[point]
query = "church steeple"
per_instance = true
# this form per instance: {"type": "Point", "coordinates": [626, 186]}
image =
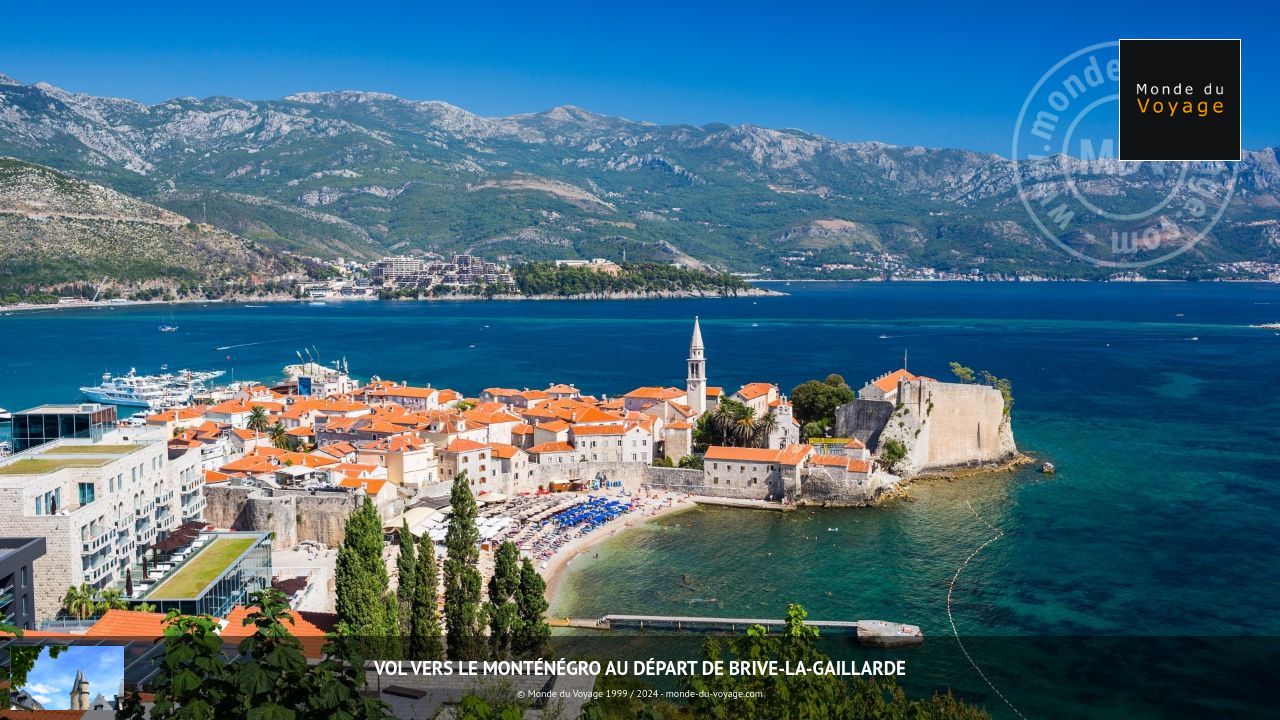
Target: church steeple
{"type": "Point", "coordinates": [696, 386]}
{"type": "Point", "coordinates": [80, 692]}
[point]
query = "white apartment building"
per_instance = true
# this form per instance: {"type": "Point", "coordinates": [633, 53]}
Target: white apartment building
{"type": "Point", "coordinates": [98, 504]}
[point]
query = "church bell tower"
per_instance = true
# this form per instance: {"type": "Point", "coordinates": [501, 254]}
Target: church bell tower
{"type": "Point", "coordinates": [696, 385]}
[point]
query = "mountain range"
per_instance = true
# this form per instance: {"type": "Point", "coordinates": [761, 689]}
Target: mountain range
{"type": "Point", "coordinates": [361, 174]}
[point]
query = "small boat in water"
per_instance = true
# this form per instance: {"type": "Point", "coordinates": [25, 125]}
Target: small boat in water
{"type": "Point", "coordinates": [317, 303]}
{"type": "Point", "coordinates": [5, 415]}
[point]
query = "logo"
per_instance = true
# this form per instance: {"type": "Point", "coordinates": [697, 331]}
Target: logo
{"type": "Point", "coordinates": [1082, 197]}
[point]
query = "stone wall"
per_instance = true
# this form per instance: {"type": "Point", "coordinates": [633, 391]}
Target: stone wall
{"type": "Point", "coordinates": [695, 482]}
{"type": "Point", "coordinates": [942, 425]}
{"type": "Point", "coordinates": [864, 420]}
{"type": "Point", "coordinates": [295, 516]}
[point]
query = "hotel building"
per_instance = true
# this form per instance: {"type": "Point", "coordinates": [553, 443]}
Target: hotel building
{"type": "Point", "coordinates": [98, 504]}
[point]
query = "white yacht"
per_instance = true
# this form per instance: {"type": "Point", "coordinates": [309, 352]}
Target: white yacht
{"type": "Point", "coordinates": [149, 391]}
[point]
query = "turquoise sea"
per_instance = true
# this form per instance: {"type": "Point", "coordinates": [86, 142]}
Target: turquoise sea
{"type": "Point", "coordinates": [1157, 402]}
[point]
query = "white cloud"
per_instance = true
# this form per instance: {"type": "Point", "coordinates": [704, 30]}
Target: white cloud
{"type": "Point", "coordinates": [42, 699]}
{"type": "Point", "coordinates": [42, 688]}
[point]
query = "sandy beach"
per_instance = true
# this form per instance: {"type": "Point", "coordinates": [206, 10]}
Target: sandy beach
{"type": "Point", "coordinates": [656, 505]}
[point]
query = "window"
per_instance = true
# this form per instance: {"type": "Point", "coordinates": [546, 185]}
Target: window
{"type": "Point", "coordinates": [86, 492]}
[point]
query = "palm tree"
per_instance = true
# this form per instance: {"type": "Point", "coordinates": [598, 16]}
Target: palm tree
{"type": "Point", "coordinates": [79, 601]}
{"type": "Point", "coordinates": [280, 437]}
{"type": "Point", "coordinates": [111, 599]}
{"type": "Point", "coordinates": [764, 427]}
{"type": "Point", "coordinates": [258, 421]}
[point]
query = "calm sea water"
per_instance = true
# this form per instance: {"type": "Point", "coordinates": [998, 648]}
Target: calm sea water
{"type": "Point", "coordinates": [1157, 403]}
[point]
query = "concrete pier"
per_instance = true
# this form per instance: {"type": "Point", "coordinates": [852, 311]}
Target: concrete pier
{"type": "Point", "coordinates": [876, 633]}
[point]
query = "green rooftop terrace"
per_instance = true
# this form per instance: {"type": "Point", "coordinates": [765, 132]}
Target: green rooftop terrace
{"type": "Point", "coordinates": [44, 464]}
{"type": "Point", "coordinates": [204, 568]}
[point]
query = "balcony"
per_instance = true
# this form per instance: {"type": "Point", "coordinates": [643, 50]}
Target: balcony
{"type": "Point", "coordinates": [146, 535]}
{"type": "Point", "coordinates": [193, 508]}
{"type": "Point", "coordinates": [193, 484]}
{"type": "Point", "coordinates": [145, 509]}
{"type": "Point", "coordinates": [99, 571]}
{"type": "Point", "coordinates": [96, 542]}
{"type": "Point", "coordinates": [6, 596]}
{"type": "Point", "coordinates": [165, 497]}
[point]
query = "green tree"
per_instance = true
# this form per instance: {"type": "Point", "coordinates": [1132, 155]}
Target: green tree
{"type": "Point", "coordinates": [258, 420]}
{"type": "Point", "coordinates": [22, 659]}
{"type": "Point", "coordinates": [734, 424]}
{"type": "Point", "coordinates": [892, 452]}
{"type": "Point", "coordinates": [816, 401]}
{"type": "Point", "coordinates": [112, 599]}
{"type": "Point", "coordinates": [80, 602]}
{"type": "Point", "coordinates": [693, 462]}
{"type": "Point", "coordinates": [814, 429]}
{"type": "Point", "coordinates": [962, 373]}
{"type": "Point", "coordinates": [361, 580]}
{"type": "Point", "coordinates": [424, 628]}
{"type": "Point", "coordinates": [503, 612]}
{"type": "Point", "coordinates": [462, 611]}
{"type": "Point", "coordinates": [663, 461]}
{"type": "Point", "coordinates": [271, 682]}
{"type": "Point", "coordinates": [809, 696]}
{"type": "Point", "coordinates": [280, 438]}
{"type": "Point", "coordinates": [407, 572]}
{"type": "Point", "coordinates": [533, 636]}
{"type": "Point", "coordinates": [271, 679]}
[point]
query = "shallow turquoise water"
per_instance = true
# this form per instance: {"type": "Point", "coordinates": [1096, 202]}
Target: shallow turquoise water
{"type": "Point", "coordinates": [1160, 522]}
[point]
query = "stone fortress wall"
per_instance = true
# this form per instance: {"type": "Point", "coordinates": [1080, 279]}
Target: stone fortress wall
{"type": "Point", "coordinates": [942, 425]}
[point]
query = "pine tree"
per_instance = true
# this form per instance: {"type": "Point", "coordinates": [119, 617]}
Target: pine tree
{"type": "Point", "coordinates": [424, 617]}
{"type": "Point", "coordinates": [461, 578]}
{"type": "Point", "coordinates": [532, 636]}
{"type": "Point", "coordinates": [407, 567]}
{"type": "Point", "coordinates": [503, 611]}
{"type": "Point", "coordinates": [360, 578]}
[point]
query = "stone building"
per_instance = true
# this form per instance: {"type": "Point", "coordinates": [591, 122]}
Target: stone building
{"type": "Point", "coordinates": [98, 504]}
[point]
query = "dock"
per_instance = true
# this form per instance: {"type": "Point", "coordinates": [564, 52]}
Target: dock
{"type": "Point", "coordinates": [876, 633]}
{"type": "Point", "coordinates": [741, 503]}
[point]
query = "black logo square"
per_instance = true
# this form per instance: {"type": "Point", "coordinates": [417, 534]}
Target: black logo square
{"type": "Point", "coordinates": [1179, 99]}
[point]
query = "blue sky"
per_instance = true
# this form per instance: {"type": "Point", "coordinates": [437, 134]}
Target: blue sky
{"type": "Point", "coordinates": [911, 73]}
{"type": "Point", "coordinates": [49, 682]}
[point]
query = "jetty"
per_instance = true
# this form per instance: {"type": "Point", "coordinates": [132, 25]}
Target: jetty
{"type": "Point", "coordinates": [741, 503]}
{"type": "Point", "coordinates": [875, 633]}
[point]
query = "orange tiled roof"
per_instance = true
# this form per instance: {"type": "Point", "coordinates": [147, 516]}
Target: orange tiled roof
{"type": "Point", "coordinates": [736, 454]}
{"type": "Point", "coordinates": [461, 445]}
{"type": "Point", "coordinates": [794, 454]}
{"type": "Point", "coordinates": [679, 425]}
{"type": "Point", "coordinates": [613, 429]}
{"type": "Point", "coordinates": [889, 382]}
{"type": "Point", "coordinates": [310, 635]}
{"type": "Point", "coordinates": [301, 431]}
{"type": "Point", "coordinates": [751, 391]}
{"type": "Point", "coordinates": [562, 388]}
{"type": "Point", "coordinates": [830, 460]}
{"type": "Point", "coordinates": [186, 413]}
{"type": "Point", "coordinates": [373, 487]}
{"type": "Point", "coordinates": [859, 466]}
{"type": "Point", "coordinates": [213, 476]}
{"type": "Point", "coordinates": [504, 451]}
{"type": "Point", "coordinates": [550, 447]}
{"type": "Point", "coordinates": [655, 393]}
{"type": "Point", "coordinates": [855, 444]}
{"type": "Point", "coordinates": [128, 624]}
